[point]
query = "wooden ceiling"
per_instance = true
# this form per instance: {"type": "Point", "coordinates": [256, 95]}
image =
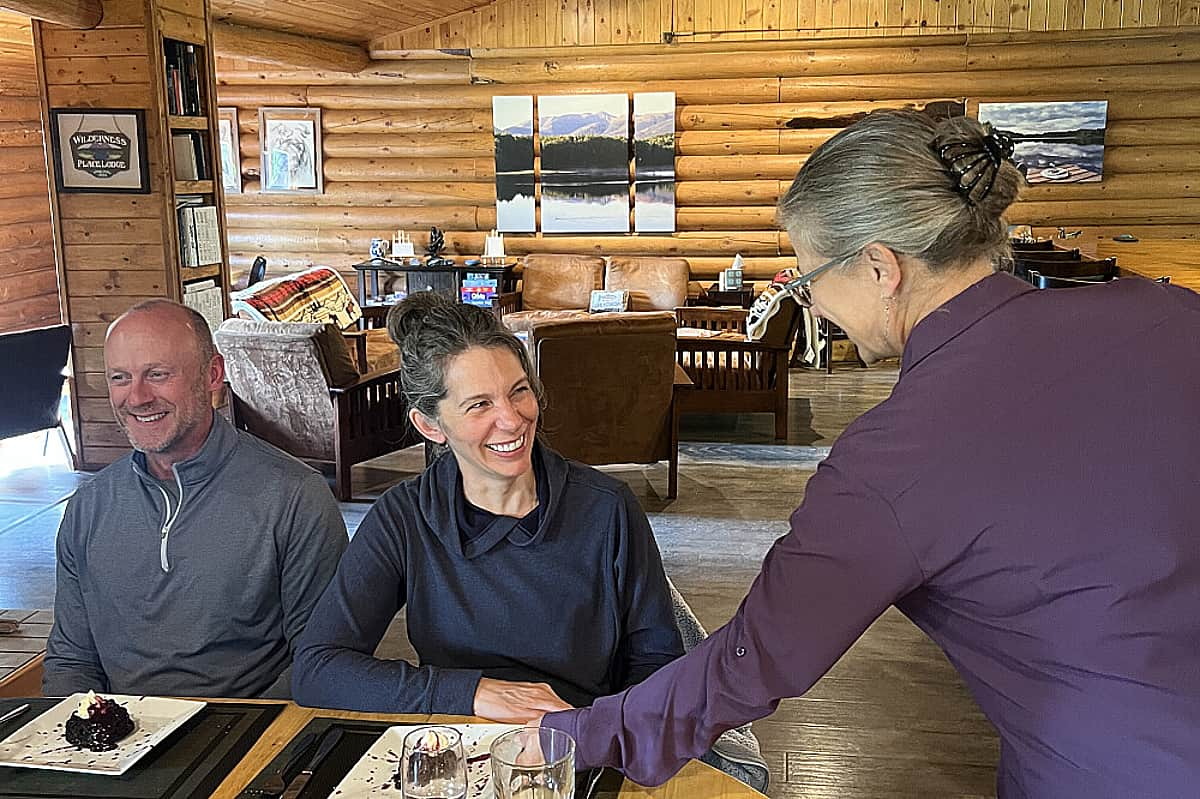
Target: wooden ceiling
{"type": "Point", "coordinates": [341, 20]}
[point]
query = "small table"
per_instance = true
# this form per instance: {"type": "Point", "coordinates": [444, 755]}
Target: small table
{"type": "Point", "coordinates": [22, 652]}
{"type": "Point", "coordinates": [445, 280]}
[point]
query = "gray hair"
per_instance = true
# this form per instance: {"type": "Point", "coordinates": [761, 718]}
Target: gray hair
{"type": "Point", "coordinates": [882, 180]}
{"type": "Point", "coordinates": [430, 330]}
{"type": "Point", "coordinates": [201, 333]}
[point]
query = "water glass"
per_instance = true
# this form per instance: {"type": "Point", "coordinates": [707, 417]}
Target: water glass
{"type": "Point", "coordinates": [433, 765]}
{"type": "Point", "coordinates": [533, 764]}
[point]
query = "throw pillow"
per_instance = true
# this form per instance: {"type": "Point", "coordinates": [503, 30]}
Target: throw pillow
{"type": "Point", "coordinates": [336, 360]}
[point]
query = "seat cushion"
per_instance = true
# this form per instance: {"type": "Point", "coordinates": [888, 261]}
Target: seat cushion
{"type": "Point", "coordinates": [560, 282]}
{"type": "Point", "coordinates": [654, 284]}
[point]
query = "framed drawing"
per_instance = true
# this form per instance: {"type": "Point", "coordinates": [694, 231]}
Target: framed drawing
{"type": "Point", "coordinates": [231, 157]}
{"type": "Point", "coordinates": [100, 150]}
{"type": "Point", "coordinates": [290, 145]}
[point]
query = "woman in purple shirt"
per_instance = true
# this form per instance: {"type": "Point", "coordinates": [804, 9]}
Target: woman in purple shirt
{"type": "Point", "coordinates": [1029, 495]}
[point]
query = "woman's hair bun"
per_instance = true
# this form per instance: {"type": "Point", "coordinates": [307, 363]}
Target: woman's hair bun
{"type": "Point", "coordinates": [408, 315]}
{"type": "Point", "coordinates": [978, 159]}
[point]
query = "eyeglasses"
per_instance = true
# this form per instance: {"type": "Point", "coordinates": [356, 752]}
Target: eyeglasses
{"type": "Point", "coordinates": [799, 287]}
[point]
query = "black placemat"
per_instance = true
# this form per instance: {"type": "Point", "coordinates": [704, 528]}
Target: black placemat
{"type": "Point", "coordinates": [357, 737]}
{"type": "Point", "coordinates": [189, 764]}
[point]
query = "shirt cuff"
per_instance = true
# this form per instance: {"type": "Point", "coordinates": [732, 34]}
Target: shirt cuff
{"type": "Point", "coordinates": [453, 691]}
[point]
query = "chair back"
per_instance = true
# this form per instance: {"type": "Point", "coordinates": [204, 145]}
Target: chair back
{"type": "Point", "coordinates": [654, 284]}
{"type": "Point", "coordinates": [588, 367]}
{"type": "Point", "coordinates": [33, 364]}
{"type": "Point", "coordinates": [1031, 246]}
{"type": "Point", "coordinates": [280, 387]}
{"type": "Point", "coordinates": [560, 282]}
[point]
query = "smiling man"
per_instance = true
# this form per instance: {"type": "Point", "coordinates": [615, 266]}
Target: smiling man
{"type": "Point", "coordinates": [189, 567]}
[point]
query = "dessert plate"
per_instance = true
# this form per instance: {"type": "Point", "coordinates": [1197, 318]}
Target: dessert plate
{"type": "Point", "coordinates": [42, 742]}
{"type": "Point", "coordinates": [372, 774]}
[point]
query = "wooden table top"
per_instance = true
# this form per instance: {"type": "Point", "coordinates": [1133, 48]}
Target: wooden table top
{"type": "Point", "coordinates": [21, 652]}
{"type": "Point", "coordinates": [695, 781]}
{"type": "Point", "coordinates": [1152, 258]}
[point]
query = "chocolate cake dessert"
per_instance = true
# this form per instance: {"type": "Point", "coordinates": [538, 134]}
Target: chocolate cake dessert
{"type": "Point", "coordinates": [98, 723]}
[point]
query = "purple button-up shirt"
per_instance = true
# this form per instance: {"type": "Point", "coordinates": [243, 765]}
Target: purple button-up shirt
{"type": "Point", "coordinates": [1029, 495]}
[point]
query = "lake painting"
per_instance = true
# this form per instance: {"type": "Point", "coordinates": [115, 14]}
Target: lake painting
{"type": "Point", "coordinates": [512, 131]}
{"type": "Point", "coordinates": [654, 162]}
{"type": "Point", "coordinates": [585, 163]}
{"type": "Point", "coordinates": [1055, 142]}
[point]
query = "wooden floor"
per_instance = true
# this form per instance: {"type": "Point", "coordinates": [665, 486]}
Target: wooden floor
{"type": "Point", "coordinates": [891, 719]}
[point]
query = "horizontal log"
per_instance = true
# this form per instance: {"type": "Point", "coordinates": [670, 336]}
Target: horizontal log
{"type": "Point", "coordinates": [1032, 83]}
{"type": "Point", "coordinates": [1120, 160]}
{"type": "Point", "coordinates": [1097, 212]}
{"type": "Point", "coordinates": [471, 243]}
{"type": "Point", "coordinates": [412, 145]}
{"type": "Point", "coordinates": [716, 167]}
{"type": "Point", "coordinates": [384, 73]}
{"type": "Point", "coordinates": [446, 120]}
{"type": "Point", "coordinates": [381, 220]}
{"type": "Point", "coordinates": [382, 194]}
{"type": "Point", "coordinates": [25, 259]}
{"type": "Point", "coordinates": [682, 65]}
{"type": "Point", "coordinates": [19, 133]}
{"type": "Point", "coordinates": [15, 160]}
{"type": "Point", "coordinates": [68, 13]}
{"type": "Point", "coordinates": [277, 47]}
{"type": "Point", "coordinates": [1145, 132]}
{"type": "Point", "coordinates": [801, 115]}
{"type": "Point", "coordinates": [14, 288]}
{"type": "Point", "coordinates": [98, 69]}
{"type": "Point", "coordinates": [252, 97]}
{"type": "Point", "coordinates": [1176, 47]}
{"type": "Point", "coordinates": [26, 234]}
{"type": "Point", "coordinates": [117, 282]}
{"type": "Point", "coordinates": [729, 192]}
{"type": "Point", "coordinates": [1134, 186]}
{"type": "Point", "coordinates": [25, 209]}
{"type": "Point", "coordinates": [754, 217]}
{"type": "Point", "coordinates": [29, 313]}
{"type": "Point", "coordinates": [750, 142]}
{"type": "Point", "coordinates": [33, 185]}
{"type": "Point", "coordinates": [414, 169]}
{"type": "Point", "coordinates": [100, 309]}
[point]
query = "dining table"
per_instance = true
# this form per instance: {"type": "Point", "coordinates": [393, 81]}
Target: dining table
{"type": "Point", "coordinates": [292, 724]}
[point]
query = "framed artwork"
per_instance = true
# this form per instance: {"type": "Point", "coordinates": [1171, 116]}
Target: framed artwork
{"type": "Point", "coordinates": [290, 144]}
{"type": "Point", "coordinates": [585, 162]}
{"type": "Point", "coordinates": [100, 150]}
{"type": "Point", "coordinates": [1054, 142]}
{"type": "Point", "coordinates": [654, 162]}
{"type": "Point", "coordinates": [231, 156]}
{"type": "Point", "coordinates": [512, 132]}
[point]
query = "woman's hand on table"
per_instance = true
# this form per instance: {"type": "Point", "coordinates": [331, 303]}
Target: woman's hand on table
{"type": "Point", "coordinates": [515, 702]}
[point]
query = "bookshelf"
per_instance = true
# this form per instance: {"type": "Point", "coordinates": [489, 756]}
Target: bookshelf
{"type": "Point", "coordinates": [116, 250]}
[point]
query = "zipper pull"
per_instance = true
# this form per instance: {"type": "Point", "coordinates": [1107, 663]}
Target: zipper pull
{"type": "Point", "coordinates": [162, 549]}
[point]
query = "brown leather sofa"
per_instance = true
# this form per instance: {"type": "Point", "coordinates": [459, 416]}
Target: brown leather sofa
{"type": "Point", "coordinates": [562, 285]}
{"type": "Point", "coordinates": [609, 381]}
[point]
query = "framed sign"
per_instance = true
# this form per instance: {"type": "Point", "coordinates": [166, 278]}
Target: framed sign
{"type": "Point", "coordinates": [100, 150]}
{"type": "Point", "coordinates": [290, 146]}
{"type": "Point", "coordinates": [231, 158]}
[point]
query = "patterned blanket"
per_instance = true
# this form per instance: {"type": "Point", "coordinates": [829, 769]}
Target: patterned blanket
{"type": "Point", "coordinates": [315, 295]}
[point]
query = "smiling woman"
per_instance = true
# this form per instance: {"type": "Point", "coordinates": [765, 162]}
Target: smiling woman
{"type": "Point", "coordinates": [532, 583]}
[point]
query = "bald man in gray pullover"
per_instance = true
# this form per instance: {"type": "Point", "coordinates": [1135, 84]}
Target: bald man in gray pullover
{"type": "Point", "coordinates": [190, 567]}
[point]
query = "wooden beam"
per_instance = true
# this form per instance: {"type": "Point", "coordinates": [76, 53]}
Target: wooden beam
{"type": "Point", "coordinates": [276, 47]}
{"type": "Point", "coordinates": [69, 13]}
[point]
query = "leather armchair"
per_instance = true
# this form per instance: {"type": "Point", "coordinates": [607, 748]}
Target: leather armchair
{"type": "Point", "coordinates": [286, 392]}
{"type": "Point", "coordinates": [589, 367]}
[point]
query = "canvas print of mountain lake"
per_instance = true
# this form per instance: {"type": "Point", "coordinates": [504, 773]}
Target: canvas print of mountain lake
{"type": "Point", "coordinates": [512, 131]}
{"type": "Point", "coordinates": [654, 162]}
{"type": "Point", "coordinates": [1055, 142]}
{"type": "Point", "coordinates": [585, 163]}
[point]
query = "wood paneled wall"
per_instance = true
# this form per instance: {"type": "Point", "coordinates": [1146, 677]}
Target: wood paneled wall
{"type": "Point", "coordinates": [407, 143]}
{"type": "Point", "coordinates": [551, 23]}
{"type": "Point", "coordinates": [28, 283]}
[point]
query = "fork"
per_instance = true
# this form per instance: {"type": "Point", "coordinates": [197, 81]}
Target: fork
{"type": "Point", "coordinates": [275, 784]}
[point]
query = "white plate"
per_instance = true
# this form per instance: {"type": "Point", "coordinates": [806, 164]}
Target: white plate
{"type": "Point", "coordinates": [42, 742]}
{"type": "Point", "coordinates": [372, 774]}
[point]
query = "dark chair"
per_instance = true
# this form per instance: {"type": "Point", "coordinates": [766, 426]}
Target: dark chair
{"type": "Point", "coordinates": [1053, 282]}
{"type": "Point", "coordinates": [34, 366]}
{"type": "Point", "coordinates": [1050, 255]}
{"type": "Point", "coordinates": [258, 271]}
{"type": "Point", "coordinates": [1040, 245]}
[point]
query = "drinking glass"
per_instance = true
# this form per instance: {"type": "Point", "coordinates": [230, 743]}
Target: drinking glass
{"type": "Point", "coordinates": [433, 765]}
{"type": "Point", "coordinates": [533, 764]}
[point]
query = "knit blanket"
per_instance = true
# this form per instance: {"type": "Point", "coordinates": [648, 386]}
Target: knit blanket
{"type": "Point", "coordinates": [316, 295]}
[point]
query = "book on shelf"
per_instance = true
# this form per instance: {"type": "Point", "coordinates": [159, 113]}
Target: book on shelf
{"type": "Point", "coordinates": [205, 296]}
{"type": "Point", "coordinates": [479, 289]}
{"type": "Point", "coordinates": [199, 232]}
{"type": "Point", "coordinates": [190, 154]}
{"type": "Point", "coordinates": [183, 78]}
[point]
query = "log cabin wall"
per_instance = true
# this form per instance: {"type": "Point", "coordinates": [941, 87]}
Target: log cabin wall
{"type": "Point", "coordinates": [407, 142]}
{"type": "Point", "coordinates": [28, 282]}
{"type": "Point", "coordinates": [553, 23]}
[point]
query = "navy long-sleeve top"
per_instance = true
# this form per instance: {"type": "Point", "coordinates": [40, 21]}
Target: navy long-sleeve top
{"type": "Point", "coordinates": [581, 602]}
{"type": "Point", "coordinates": [1029, 495]}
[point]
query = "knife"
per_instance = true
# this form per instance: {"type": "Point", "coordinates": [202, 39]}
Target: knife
{"type": "Point", "coordinates": [328, 741]}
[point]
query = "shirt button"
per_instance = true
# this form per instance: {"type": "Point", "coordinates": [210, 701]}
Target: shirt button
{"type": "Point", "coordinates": [740, 651]}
